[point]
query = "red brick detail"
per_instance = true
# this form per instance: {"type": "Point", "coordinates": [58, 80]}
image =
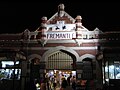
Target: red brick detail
{"type": "Point", "coordinates": [42, 52]}
{"type": "Point", "coordinates": [88, 44]}
{"type": "Point", "coordinates": [65, 18]}
{"type": "Point", "coordinates": [82, 52]}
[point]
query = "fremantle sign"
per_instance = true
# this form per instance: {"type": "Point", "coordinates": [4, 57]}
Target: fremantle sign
{"type": "Point", "coordinates": [60, 35]}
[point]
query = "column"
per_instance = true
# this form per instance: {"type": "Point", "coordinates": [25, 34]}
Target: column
{"type": "Point", "coordinates": [23, 74]}
{"type": "Point", "coordinates": [42, 70]}
{"type": "Point", "coordinates": [79, 70]}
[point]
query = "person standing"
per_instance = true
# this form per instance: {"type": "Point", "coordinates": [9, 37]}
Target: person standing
{"type": "Point", "coordinates": [64, 84]}
{"type": "Point", "coordinates": [68, 79]}
{"type": "Point", "coordinates": [73, 80]}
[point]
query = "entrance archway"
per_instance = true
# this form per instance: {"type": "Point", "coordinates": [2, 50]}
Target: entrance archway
{"type": "Point", "coordinates": [60, 64]}
{"type": "Point", "coordinates": [60, 60]}
{"type": "Point", "coordinates": [46, 54]}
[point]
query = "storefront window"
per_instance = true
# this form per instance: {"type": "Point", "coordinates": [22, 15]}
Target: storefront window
{"type": "Point", "coordinates": [10, 70]}
{"type": "Point", "coordinates": [112, 70]}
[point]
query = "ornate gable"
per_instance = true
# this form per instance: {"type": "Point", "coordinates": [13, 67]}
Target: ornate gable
{"type": "Point", "coordinates": [61, 15]}
{"type": "Point", "coordinates": [62, 26]}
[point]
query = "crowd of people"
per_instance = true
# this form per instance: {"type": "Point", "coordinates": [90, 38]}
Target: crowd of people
{"type": "Point", "coordinates": [64, 84]}
{"type": "Point", "coordinates": [69, 83]}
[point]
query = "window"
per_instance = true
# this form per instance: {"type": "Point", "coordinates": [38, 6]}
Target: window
{"type": "Point", "coordinates": [112, 70]}
{"type": "Point", "coordinates": [10, 70]}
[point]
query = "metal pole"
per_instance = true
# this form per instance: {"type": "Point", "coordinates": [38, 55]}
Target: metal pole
{"type": "Point", "coordinates": [104, 70]}
{"type": "Point", "coordinates": [14, 73]}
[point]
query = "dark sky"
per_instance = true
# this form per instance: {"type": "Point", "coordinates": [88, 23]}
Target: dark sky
{"type": "Point", "coordinates": [15, 17]}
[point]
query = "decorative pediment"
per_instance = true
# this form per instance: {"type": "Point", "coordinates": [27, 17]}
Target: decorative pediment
{"type": "Point", "coordinates": [66, 18]}
{"type": "Point", "coordinates": [61, 15]}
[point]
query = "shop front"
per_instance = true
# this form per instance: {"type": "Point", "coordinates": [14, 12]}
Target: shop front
{"type": "Point", "coordinates": [111, 69]}
{"type": "Point", "coordinates": [11, 70]}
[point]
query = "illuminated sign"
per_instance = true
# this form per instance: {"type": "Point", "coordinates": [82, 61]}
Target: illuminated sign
{"type": "Point", "coordinates": [60, 30]}
{"type": "Point", "coordinates": [60, 35]}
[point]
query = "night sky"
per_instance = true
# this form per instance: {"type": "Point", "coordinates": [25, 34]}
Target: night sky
{"type": "Point", "coordinates": [15, 17]}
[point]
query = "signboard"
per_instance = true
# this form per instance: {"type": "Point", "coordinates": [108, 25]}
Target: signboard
{"type": "Point", "coordinates": [60, 30]}
{"type": "Point", "coordinates": [60, 35]}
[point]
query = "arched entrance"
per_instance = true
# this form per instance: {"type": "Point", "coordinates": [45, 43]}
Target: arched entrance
{"type": "Point", "coordinates": [60, 60]}
{"type": "Point", "coordinates": [58, 55]}
{"type": "Point", "coordinates": [60, 64]}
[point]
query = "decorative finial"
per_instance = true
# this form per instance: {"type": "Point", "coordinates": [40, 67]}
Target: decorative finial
{"type": "Point", "coordinates": [44, 19]}
{"type": "Point", "coordinates": [61, 10]}
{"type": "Point", "coordinates": [79, 17]}
{"type": "Point", "coordinates": [61, 7]}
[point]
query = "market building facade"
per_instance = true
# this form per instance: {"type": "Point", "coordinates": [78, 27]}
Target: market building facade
{"type": "Point", "coordinates": [61, 45]}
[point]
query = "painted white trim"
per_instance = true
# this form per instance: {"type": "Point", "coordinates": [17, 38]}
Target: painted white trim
{"type": "Point", "coordinates": [61, 41]}
{"type": "Point", "coordinates": [68, 41]}
{"type": "Point", "coordinates": [66, 14]}
{"type": "Point", "coordinates": [74, 48]}
{"type": "Point", "coordinates": [52, 17]}
{"type": "Point", "coordinates": [47, 48]}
